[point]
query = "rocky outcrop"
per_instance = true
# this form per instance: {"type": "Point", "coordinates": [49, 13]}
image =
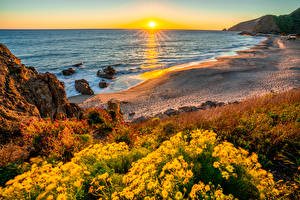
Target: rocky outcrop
{"type": "Point", "coordinates": [107, 73]}
{"type": "Point", "coordinates": [83, 87]}
{"type": "Point", "coordinates": [25, 93]}
{"type": "Point", "coordinates": [68, 72]}
{"type": "Point", "coordinates": [265, 24]}
{"type": "Point", "coordinates": [113, 107]}
{"type": "Point", "coordinates": [103, 84]}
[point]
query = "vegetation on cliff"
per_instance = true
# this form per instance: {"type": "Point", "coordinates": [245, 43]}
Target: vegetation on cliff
{"type": "Point", "coordinates": [242, 151]}
{"type": "Point", "coordinates": [271, 24]}
{"type": "Point", "coordinates": [289, 23]}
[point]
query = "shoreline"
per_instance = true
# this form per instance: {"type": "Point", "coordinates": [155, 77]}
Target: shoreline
{"type": "Point", "coordinates": [265, 68]}
{"type": "Point", "coordinates": [79, 99]}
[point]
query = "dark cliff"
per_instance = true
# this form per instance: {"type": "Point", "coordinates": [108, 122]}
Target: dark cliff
{"type": "Point", "coordinates": [271, 24]}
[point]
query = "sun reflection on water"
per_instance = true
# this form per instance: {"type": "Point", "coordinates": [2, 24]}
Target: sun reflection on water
{"type": "Point", "coordinates": [153, 38]}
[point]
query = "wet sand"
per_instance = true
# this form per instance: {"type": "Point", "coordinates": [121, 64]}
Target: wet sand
{"type": "Point", "coordinates": [271, 67]}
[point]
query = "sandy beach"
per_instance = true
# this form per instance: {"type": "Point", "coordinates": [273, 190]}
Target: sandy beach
{"type": "Point", "coordinates": [271, 67]}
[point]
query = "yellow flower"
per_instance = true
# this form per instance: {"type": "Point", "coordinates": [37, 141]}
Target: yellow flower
{"type": "Point", "coordinates": [59, 189]}
{"type": "Point", "coordinates": [50, 197]}
{"type": "Point", "coordinates": [61, 197]}
{"type": "Point", "coordinates": [216, 165]}
{"type": "Point", "coordinates": [189, 174]}
{"type": "Point", "coordinates": [87, 172]}
{"type": "Point", "coordinates": [50, 187]}
{"type": "Point", "coordinates": [77, 183]}
{"type": "Point", "coordinates": [178, 195]}
{"type": "Point", "coordinates": [164, 194]}
{"type": "Point", "coordinates": [192, 195]}
{"type": "Point", "coordinates": [207, 188]}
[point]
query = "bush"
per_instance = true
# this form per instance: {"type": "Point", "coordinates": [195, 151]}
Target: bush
{"type": "Point", "coordinates": [58, 139]}
{"type": "Point", "coordinates": [123, 133]}
{"type": "Point", "coordinates": [100, 120]}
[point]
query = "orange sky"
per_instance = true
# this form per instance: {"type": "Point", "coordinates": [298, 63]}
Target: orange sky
{"type": "Point", "coordinates": [176, 14]}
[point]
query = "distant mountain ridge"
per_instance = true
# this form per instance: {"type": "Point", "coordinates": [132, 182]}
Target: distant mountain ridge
{"type": "Point", "coordinates": [271, 24]}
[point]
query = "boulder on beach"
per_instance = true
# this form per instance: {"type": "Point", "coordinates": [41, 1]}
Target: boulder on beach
{"type": "Point", "coordinates": [109, 70]}
{"type": "Point", "coordinates": [68, 72]}
{"type": "Point", "coordinates": [188, 109]}
{"type": "Point", "coordinates": [83, 87]}
{"type": "Point", "coordinates": [104, 75]}
{"type": "Point", "coordinates": [78, 64]}
{"type": "Point", "coordinates": [103, 84]}
{"type": "Point", "coordinates": [107, 73]}
{"type": "Point", "coordinates": [171, 112]}
{"type": "Point", "coordinates": [26, 93]}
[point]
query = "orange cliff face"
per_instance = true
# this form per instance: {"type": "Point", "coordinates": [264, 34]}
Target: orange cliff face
{"type": "Point", "coordinates": [26, 93]}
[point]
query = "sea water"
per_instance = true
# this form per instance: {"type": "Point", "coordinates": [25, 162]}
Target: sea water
{"type": "Point", "coordinates": [131, 52]}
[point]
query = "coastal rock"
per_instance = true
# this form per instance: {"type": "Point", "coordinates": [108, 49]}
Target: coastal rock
{"type": "Point", "coordinates": [68, 72]}
{"type": "Point", "coordinates": [83, 87]}
{"type": "Point", "coordinates": [161, 115]}
{"type": "Point", "coordinates": [208, 104]}
{"type": "Point", "coordinates": [103, 84]}
{"type": "Point", "coordinates": [78, 64]}
{"type": "Point", "coordinates": [171, 112]}
{"type": "Point", "coordinates": [25, 94]}
{"type": "Point", "coordinates": [140, 119]}
{"type": "Point", "coordinates": [113, 107]}
{"type": "Point", "coordinates": [109, 70]}
{"type": "Point", "coordinates": [246, 33]}
{"type": "Point", "coordinates": [104, 75]}
{"type": "Point", "coordinates": [131, 115]}
{"type": "Point", "coordinates": [188, 109]}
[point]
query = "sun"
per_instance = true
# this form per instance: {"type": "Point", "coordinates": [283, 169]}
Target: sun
{"type": "Point", "coordinates": [152, 24]}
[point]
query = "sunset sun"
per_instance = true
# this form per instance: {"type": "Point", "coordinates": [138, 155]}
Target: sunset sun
{"type": "Point", "coordinates": [152, 24]}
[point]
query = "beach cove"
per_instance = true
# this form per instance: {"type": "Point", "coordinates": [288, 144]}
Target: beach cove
{"type": "Point", "coordinates": [270, 67]}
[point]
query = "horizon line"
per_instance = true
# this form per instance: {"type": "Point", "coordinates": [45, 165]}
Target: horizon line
{"type": "Point", "coordinates": [104, 29]}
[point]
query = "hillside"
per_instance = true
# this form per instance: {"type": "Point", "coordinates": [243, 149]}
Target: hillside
{"type": "Point", "coordinates": [271, 24]}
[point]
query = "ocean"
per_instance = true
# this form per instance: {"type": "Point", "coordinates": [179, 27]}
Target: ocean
{"type": "Point", "coordinates": [133, 53]}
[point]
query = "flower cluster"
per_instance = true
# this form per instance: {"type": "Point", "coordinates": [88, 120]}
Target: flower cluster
{"type": "Point", "coordinates": [192, 166]}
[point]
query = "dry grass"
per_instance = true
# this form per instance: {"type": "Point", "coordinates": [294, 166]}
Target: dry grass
{"type": "Point", "coordinates": [268, 125]}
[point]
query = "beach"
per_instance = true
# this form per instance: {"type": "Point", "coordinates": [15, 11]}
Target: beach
{"type": "Point", "coordinates": [271, 67]}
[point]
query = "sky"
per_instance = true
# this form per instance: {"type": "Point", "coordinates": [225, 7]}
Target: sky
{"type": "Point", "coordinates": [114, 14]}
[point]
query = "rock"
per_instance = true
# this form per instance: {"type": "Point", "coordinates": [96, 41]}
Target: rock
{"type": "Point", "coordinates": [78, 64]}
{"type": "Point", "coordinates": [161, 115]}
{"type": "Point", "coordinates": [131, 115]}
{"type": "Point", "coordinates": [246, 33]}
{"type": "Point", "coordinates": [68, 72]}
{"type": "Point", "coordinates": [219, 104]}
{"type": "Point", "coordinates": [171, 112]}
{"type": "Point", "coordinates": [208, 104]}
{"type": "Point", "coordinates": [224, 29]}
{"type": "Point", "coordinates": [104, 75]}
{"type": "Point", "coordinates": [83, 87]}
{"type": "Point", "coordinates": [234, 102]}
{"type": "Point", "coordinates": [140, 119]}
{"type": "Point", "coordinates": [113, 107]}
{"type": "Point", "coordinates": [25, 94]}
{"type": "Point", "coordinates": [188, 109]}
{"type": "Point", "coordinates": [103, 84]}
{"type": "Point", "coordinates": [109, 70]}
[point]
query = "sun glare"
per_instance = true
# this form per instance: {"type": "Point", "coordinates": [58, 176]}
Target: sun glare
{"type": "Point", "coordinates": [152, 24]}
